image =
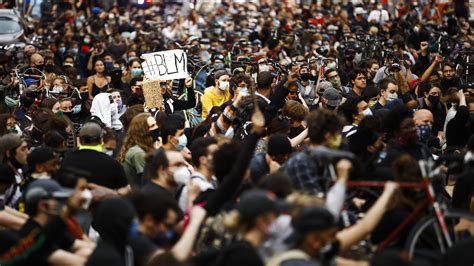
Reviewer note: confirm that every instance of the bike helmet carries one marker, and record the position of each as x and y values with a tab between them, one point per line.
10	102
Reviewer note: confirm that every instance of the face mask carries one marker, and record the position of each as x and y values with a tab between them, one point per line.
49	68
434	100
223	85
331	65
109	152
119	105
181	175
305	76
134	229
40	67
155	134
86	195
58	89
87	41
391	96
182	142
136	72
424	131
15	130
165	238
219	66
218	30
367	112
61	50
74	50
244	91
76	109
335	142
68	64
109	65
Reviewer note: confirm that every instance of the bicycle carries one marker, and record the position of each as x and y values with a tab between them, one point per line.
447	225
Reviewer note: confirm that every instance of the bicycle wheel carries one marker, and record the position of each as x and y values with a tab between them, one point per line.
426	234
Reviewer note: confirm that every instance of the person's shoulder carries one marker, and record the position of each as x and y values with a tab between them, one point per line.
135	150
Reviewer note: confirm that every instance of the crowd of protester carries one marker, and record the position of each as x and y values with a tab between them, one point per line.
247	161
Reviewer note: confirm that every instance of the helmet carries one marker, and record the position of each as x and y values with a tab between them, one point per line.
10	102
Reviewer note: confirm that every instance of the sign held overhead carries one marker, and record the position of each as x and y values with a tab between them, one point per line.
165	65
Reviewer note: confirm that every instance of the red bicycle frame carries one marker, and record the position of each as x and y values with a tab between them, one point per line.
430	200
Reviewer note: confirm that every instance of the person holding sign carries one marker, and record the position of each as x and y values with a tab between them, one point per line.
218	94
173	104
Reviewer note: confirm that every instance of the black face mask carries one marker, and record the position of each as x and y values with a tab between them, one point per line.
40	67
305	76
434	100
155	134
49	68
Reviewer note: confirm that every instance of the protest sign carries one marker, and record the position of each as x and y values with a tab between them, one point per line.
165	65
152	93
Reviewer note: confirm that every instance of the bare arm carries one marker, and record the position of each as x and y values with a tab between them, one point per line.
61	257
10	221
90	84
362	229
299	139
182	250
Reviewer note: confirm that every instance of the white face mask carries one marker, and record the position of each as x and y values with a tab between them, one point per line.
87	196
391	96
223	85
367	112
331	65
58	89
181	175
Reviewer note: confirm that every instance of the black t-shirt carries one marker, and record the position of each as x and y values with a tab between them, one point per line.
151	187
142	247
104	170
238	253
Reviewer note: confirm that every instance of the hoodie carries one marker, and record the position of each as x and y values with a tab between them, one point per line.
106	111
113	220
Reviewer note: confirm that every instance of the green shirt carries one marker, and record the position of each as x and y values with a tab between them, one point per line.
133	165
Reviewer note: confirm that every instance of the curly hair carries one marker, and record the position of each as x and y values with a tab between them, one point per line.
137	134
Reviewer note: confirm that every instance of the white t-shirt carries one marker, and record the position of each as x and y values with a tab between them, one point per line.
204	184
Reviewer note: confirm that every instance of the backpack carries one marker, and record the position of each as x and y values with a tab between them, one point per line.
214	235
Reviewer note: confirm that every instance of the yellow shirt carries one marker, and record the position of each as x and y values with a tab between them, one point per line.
211	99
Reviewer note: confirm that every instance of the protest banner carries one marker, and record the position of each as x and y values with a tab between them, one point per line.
165	65
152	93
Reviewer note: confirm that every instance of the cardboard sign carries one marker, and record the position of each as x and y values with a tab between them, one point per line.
152	93
165	65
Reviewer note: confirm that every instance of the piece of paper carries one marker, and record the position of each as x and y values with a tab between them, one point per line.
165	65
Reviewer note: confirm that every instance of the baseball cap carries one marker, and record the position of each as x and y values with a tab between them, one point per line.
333	96
9	142
311	219
220	73
264	79
39	155
90	130
255	202
324	85
359	11
44	189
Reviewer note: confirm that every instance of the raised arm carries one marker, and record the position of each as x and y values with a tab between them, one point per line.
362	229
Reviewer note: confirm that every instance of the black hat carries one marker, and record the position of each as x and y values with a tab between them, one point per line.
359	141
279	144
40	155
220	73
264	79
44	189
255	202
311	219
